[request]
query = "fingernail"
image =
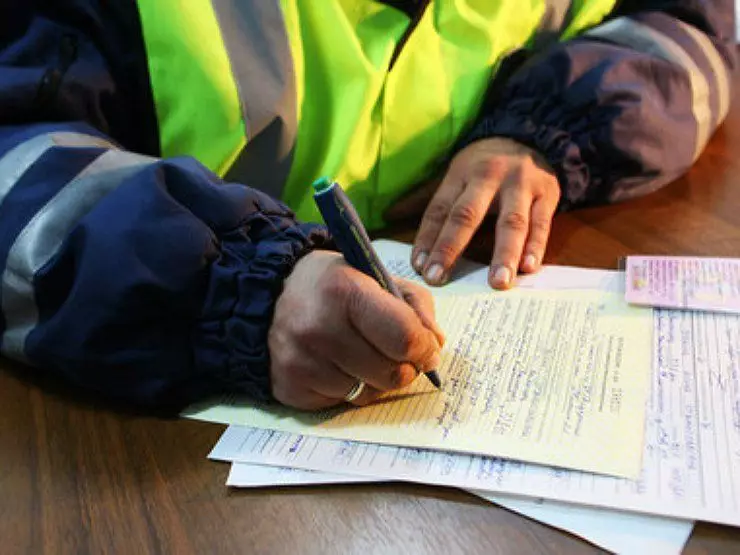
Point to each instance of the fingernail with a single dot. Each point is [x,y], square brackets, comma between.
[419,261]
[530,262]
[502,275]
[434,273]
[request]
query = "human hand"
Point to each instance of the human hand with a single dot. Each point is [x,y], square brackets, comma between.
[492,174]
[334,326]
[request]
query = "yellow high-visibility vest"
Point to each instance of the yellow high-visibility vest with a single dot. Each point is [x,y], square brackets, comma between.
[276,93]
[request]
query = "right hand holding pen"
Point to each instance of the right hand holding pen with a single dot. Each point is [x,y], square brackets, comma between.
[334,326]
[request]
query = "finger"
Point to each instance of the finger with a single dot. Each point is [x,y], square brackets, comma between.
[359,360]
[369,394]
[421,300]
[414,203]
[392,327]
[301,397]
[309,381]
[345,345]
[512,228]
[434,218]
[539,232]
[463,220]
[293,377]
[328,380]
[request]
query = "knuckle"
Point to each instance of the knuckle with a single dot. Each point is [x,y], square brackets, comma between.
[515,221]
[436,213]
[447,251]
[491,169]
[307,331]
[540,226]
[465,215]
[290,372]
[292,390]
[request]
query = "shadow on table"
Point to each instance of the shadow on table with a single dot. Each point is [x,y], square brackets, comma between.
[57,387]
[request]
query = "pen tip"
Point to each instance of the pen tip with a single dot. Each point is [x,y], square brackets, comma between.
[434,378]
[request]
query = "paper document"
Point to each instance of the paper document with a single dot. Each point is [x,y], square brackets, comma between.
[616,531]
[243,475]
[711,284]
[558,378]
[691,462]
[396,257]
[612,530]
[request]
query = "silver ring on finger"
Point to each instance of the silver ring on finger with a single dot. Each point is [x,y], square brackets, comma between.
[355,392]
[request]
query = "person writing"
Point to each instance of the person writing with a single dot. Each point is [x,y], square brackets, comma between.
[158,238]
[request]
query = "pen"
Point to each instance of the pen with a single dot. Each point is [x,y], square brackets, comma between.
[353,241]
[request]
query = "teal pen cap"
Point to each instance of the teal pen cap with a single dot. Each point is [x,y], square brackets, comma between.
[322,184]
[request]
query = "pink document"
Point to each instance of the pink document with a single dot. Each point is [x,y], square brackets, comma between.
[696,283]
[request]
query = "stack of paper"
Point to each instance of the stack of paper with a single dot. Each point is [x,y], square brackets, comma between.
[690,463]
[551,378]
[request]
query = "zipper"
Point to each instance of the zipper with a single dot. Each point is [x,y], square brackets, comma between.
[414,23]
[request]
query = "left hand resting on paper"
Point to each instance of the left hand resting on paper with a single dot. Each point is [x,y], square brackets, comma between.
[495,175]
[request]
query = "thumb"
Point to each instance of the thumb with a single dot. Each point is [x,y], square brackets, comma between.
[420,299]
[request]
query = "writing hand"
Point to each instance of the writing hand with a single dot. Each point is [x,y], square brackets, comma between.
[334,326]
[498,175]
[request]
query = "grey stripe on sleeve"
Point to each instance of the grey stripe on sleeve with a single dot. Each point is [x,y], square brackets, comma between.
[719,69]
[643,38]
[18,160]
[43,236]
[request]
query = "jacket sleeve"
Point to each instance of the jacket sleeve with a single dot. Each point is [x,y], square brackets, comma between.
[143,279]
[626,107]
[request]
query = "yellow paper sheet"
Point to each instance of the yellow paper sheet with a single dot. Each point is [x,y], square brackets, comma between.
[556,377]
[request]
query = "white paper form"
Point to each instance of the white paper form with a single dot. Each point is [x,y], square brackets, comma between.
[615,531]
[612,530]
[396,257]
[244,475]
[691,464]
[569,389]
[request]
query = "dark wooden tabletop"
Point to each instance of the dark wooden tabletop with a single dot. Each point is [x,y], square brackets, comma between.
[79,477]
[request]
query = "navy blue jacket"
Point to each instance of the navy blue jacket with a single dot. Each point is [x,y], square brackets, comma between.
[152,281]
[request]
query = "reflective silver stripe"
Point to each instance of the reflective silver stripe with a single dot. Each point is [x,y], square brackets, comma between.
[18,160]
[556,18]
[42,237]
[719,68]
[256,39]
[642,38]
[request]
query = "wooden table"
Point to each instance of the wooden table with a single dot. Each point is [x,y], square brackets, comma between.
[79,478]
